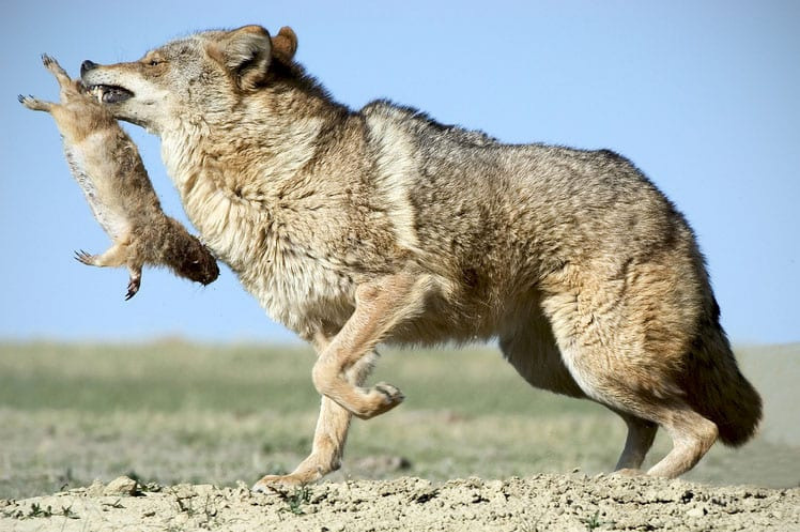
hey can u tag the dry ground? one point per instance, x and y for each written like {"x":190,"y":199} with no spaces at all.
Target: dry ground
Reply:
{"x":537,"y":503}
{"x":180,"y":417}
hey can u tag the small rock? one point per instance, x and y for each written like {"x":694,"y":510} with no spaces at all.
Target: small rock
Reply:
{"x":696,"y":512}
{"x":495,"y":485}
{"x":204,"y":490}
{"x":184,"y":491}
{"x":96,"y":489}
{"x":121,"y":486}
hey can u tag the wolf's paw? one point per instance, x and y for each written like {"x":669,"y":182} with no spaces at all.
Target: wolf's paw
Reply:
{"x":277,"y":484}
{"x":382,"y":398}
{"x":629,"y":472}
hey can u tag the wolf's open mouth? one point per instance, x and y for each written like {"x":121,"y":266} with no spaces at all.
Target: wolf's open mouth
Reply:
{"x":110,"y":93}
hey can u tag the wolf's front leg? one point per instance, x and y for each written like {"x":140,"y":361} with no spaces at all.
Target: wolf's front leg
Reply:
{"x":326,"y":454}
{"x":329,"y":437}
{"x":344,"y":364}
{"x":381,"y":305}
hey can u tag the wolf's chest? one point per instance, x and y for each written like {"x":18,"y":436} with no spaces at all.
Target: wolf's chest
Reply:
{"x":293,"y":278}
{"x":299,"y":291}
{"x":296,"y":287}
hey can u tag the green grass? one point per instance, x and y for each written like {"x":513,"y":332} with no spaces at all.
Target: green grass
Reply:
{"x":178,"y":412}
{"x":157,"y":377}
{"x":172,"y":376}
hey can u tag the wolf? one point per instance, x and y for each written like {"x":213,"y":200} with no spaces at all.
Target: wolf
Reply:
{"x":106,"y":164}
{"x":381,"y":225}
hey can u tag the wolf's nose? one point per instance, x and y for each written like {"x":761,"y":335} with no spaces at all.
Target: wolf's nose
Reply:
{"x":86,"y":66}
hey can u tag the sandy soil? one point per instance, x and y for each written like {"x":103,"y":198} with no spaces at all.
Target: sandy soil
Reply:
{"x":544,"y":502}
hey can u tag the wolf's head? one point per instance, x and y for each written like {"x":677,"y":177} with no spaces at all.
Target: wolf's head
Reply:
{"x":201,"y":76}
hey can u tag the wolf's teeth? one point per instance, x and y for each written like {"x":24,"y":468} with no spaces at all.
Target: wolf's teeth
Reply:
{"x":97,"y":92}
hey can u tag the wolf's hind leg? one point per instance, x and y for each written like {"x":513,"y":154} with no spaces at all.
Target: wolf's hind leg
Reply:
{"x":626,"y":391}
{"x":692,"y":436}
{"x":533,"y":352}
{"x":616,"y":367}
{"x":380,"y":306}
{"x":641,"y":434}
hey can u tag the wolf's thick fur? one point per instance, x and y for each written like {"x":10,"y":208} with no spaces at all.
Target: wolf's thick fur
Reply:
{"x":106,"y":164}
{"x":355,"y":228}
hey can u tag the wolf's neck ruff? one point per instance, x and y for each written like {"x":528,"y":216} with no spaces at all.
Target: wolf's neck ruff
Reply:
{"x":267,"y":220}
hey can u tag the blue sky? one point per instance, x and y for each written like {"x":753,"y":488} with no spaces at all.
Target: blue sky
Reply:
{"x":703,"y":96}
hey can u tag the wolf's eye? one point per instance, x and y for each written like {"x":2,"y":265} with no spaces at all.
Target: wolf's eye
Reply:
{"x":154,"y":62}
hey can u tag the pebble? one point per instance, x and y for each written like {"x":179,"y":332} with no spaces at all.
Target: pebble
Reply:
{"x":696,"y":512}
{"x":121,"y":486}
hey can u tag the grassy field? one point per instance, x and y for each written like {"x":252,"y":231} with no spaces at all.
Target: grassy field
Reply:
{"x":177,"y":412}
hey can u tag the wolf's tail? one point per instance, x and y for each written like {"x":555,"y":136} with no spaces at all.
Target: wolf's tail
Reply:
{"x":717,"y":389}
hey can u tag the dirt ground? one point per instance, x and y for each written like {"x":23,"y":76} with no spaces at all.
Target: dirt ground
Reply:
{"x":474,"y":449}
{"x":539,"y":503}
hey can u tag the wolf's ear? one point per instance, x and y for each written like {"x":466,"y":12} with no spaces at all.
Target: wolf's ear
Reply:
{"x":245,"y":53}
{"x":284,"y":44}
